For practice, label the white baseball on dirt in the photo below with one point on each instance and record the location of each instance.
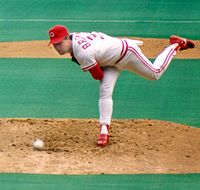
(38, 144)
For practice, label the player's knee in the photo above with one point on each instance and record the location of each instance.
(155, 76)
(105, 94)
(106, 91)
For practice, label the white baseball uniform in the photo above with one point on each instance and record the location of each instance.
(114, 55)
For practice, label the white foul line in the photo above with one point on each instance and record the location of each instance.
(100, 21)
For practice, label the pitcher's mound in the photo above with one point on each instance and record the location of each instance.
(136, 146)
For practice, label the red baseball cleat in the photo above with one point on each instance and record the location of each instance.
(183, 42)
(103, 139)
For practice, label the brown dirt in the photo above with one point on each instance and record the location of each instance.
(136, 146)
(40, 49)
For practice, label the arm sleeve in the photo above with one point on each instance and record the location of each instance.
(96, 72)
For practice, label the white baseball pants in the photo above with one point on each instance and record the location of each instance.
(136, 62)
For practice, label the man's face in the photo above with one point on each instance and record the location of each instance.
(63, 47)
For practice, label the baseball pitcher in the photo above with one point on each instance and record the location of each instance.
(105, 57)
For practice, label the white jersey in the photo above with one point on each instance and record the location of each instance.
(96, 48)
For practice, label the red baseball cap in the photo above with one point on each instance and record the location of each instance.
(57, 34)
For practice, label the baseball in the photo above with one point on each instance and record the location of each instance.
(38, 144)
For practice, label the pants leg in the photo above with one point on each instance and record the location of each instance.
(106, 90)
(137, 62)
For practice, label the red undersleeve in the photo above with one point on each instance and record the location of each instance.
(96, 72)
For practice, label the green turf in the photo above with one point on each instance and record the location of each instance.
(45, 88)
(99, 182)
(150, 18)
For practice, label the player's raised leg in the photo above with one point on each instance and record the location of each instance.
(142, 66)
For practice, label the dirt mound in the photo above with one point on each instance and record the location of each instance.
(136, 146)
(40, 49)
